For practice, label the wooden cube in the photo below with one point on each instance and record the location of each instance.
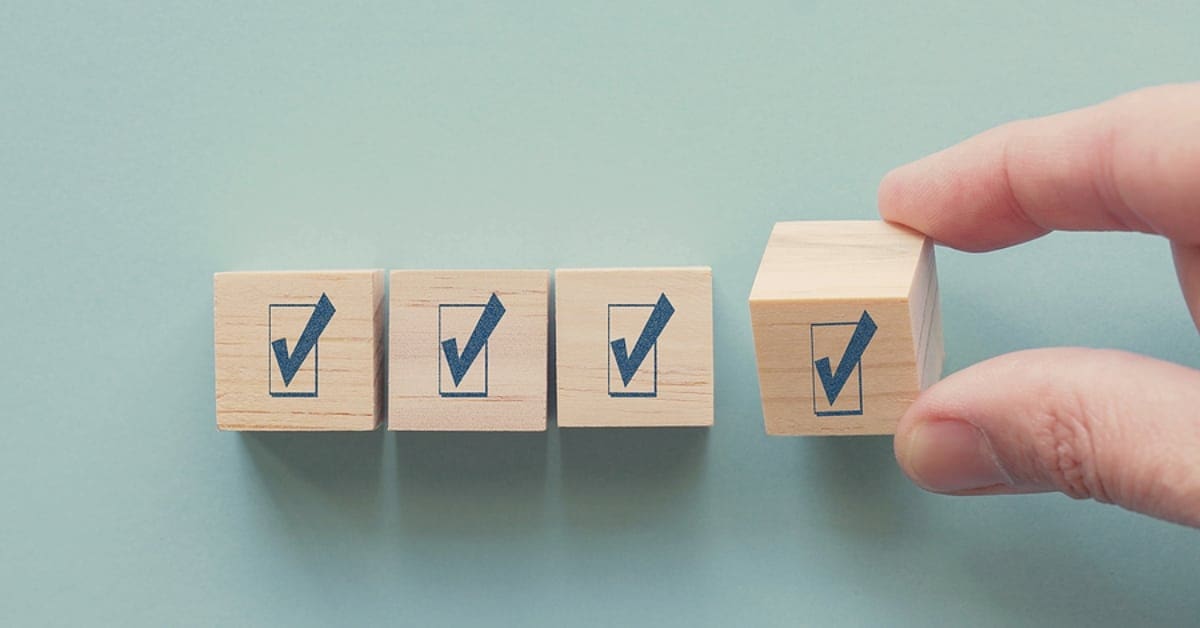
(634, 347)
(299, 351)
(469, 350)
(847, 328)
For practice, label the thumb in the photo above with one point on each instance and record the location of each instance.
(1111, 426)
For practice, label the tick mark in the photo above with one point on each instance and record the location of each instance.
(833, 383)
(289, 365)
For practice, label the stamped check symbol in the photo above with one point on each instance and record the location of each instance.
(290, 364)
(628, 363)
(832, 382)
(460, 364)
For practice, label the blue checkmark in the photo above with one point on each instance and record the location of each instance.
(628, 363)
(832, 382)
(290, 364)
(460, 364)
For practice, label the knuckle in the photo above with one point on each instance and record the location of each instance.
(1013, 157)
(1066, 447)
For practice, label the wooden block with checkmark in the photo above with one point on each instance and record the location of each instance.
(468, 350)
(299, 351)
(847, 327)
(634, 347)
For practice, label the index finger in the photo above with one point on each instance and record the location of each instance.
(1129, 164)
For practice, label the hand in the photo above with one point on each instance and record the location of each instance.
(1107, 425)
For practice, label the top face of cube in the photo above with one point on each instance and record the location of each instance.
(866, 259)
(298, 351)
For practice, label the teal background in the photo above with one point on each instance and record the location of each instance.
(144, 146)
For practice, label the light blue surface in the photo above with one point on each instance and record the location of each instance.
(143, 147)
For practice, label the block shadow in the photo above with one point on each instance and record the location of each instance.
(616, 480)
(862, 493)
(455, 484)
(317, 476)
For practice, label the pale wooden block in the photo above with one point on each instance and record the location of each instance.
(502, 378)
(834, 290)
(336, 381)
(672, 384)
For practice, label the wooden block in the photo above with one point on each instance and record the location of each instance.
(469, 350)
(847, 328)
(299, 351)
(634, 347)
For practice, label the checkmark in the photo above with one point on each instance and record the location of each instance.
(290, 364)
(628, 363)
(460, 364)
(833, 383)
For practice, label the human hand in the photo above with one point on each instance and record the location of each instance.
(1108, 425)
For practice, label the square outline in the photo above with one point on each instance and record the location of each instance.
(812, 351)
(608, 356)
(271, 356)
(441, 357)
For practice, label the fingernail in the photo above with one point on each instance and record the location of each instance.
(948, 456)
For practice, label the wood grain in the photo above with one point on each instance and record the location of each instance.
(512, 369)
(682, 357)
(345, 369)
(814, 283)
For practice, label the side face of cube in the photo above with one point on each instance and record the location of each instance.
(468, 350)
(634, 347)
(298, 351)
(834, 367)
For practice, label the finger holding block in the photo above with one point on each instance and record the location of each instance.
(634, 347)
(847, 326)
(469, 350)
(298, 351)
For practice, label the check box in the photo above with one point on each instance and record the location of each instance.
(628, 321)
(287, 322)
(460, 320)
(836, 394)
